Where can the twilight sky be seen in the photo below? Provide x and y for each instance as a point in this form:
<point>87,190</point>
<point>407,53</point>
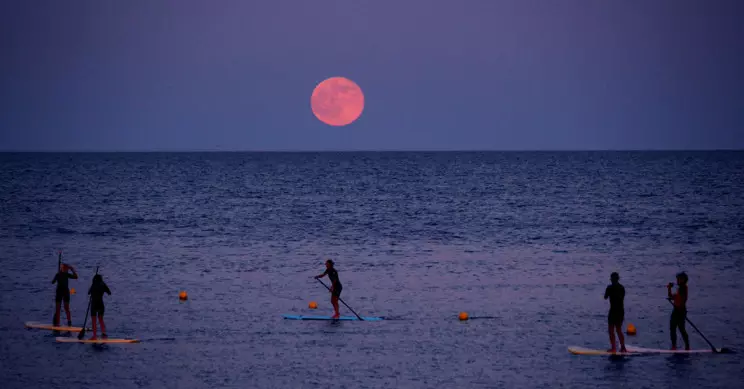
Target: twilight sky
<point>436,74</point>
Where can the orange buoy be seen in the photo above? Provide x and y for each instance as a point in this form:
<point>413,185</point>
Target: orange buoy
<point>183,295</point>
<point>631,329</point>
<point>463,316</point>
<point>72,290</point>
<point>313,305</point>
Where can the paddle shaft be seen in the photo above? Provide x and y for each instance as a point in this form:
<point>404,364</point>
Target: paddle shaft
<point>712,347</point>
<point>347,305</point>
<point>85,321</point>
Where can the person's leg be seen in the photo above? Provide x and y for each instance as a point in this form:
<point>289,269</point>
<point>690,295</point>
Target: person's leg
<point>93,319</point>
<point>334,301</point>
<point>57,306</point>
<point>619,328</point>
<point>683,331</point>
<point>67,310</point>
<point>103,326</point>
<point>611,330</point>
<point>673,330</point>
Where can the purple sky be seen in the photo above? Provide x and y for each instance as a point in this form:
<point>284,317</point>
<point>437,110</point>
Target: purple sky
<point>437,74</point>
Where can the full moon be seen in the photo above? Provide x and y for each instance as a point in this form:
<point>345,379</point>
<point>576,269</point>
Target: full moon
<point>337,101</point>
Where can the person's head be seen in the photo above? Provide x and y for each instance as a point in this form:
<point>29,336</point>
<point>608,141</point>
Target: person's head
<point>329,264</point>
<point>682,278</point>
<point>614,277</point>
<point>97,279</point>
<point>63,267</point>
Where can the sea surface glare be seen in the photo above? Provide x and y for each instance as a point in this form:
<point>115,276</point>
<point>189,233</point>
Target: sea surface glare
<point>526,238</point>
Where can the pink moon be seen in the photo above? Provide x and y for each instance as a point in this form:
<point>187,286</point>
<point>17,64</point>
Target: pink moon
<point>337,101</point>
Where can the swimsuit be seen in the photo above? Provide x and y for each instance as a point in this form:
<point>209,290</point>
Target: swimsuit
<point>333,276</point>
<point>63,291</point>
<point>616,293</point>
<point>96,299</point>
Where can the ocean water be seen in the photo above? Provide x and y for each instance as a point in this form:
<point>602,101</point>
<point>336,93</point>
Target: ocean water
<point>527,240</point>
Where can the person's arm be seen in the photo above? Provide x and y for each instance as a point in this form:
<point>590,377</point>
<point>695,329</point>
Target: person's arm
<point>607,293</point>
<point>322,275</point>
<point>74,275</point>
<point>54,280</point>
<point>106,289</point>
<point>669,291</point>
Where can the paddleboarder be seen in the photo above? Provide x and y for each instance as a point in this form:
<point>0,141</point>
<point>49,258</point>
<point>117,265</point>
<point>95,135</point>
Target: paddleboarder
<point>96,291</point>
<point>616,293</point>
<point>335,286</point>
<point>63,291</point>
<point>679,313</point>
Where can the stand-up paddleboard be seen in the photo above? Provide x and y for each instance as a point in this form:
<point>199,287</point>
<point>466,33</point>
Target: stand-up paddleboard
<point>42,326</point>
<point>97,341</point>
<point>667,351</point>
<point>352,318</point>
<point>633,350</point>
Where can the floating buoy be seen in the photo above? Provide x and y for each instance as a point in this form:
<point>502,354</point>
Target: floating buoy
<point>313,305</point>
<point>631,330</point>
<point>183,295</point>
<point>72,290</point>
<point>463,316</point>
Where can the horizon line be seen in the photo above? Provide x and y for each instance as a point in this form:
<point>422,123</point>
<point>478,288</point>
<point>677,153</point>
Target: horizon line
<point>144,151</point>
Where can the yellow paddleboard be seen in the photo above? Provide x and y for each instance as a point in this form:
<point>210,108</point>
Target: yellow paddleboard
<point>98,341</point>
<point>42,326</point>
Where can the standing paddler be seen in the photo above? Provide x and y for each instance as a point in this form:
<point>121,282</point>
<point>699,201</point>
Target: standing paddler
<point>335,286</point>
<point>63,291</point>
<point>679,313</point>
<point>616,293</point>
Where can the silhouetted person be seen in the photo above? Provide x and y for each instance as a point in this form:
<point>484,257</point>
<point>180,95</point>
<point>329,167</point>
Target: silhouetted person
<point>96,291</point>
<point>616,293</point>
<point>63,291</point>
<point>335,286</point>
<point>679,314</point>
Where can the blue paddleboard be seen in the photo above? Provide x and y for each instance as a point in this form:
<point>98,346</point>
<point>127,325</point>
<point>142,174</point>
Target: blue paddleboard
<point>301,317</point>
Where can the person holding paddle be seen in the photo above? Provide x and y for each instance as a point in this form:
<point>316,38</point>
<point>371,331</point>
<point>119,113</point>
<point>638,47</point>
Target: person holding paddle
<point>96,291</point>
<point>616,293</point>
<point>335,286</point>
<point>63,291</point>
<point>679,312</point>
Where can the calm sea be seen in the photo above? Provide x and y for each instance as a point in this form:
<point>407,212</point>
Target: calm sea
<point>527,239</point>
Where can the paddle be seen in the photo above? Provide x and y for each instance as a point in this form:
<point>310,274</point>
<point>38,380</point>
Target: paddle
<point>347,306</point>
<point>712,347</point>
<point>85,321</point>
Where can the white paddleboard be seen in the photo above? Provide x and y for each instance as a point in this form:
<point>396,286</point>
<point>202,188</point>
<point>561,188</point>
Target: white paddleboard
<point>667,351</point>
<point>633,350</point>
